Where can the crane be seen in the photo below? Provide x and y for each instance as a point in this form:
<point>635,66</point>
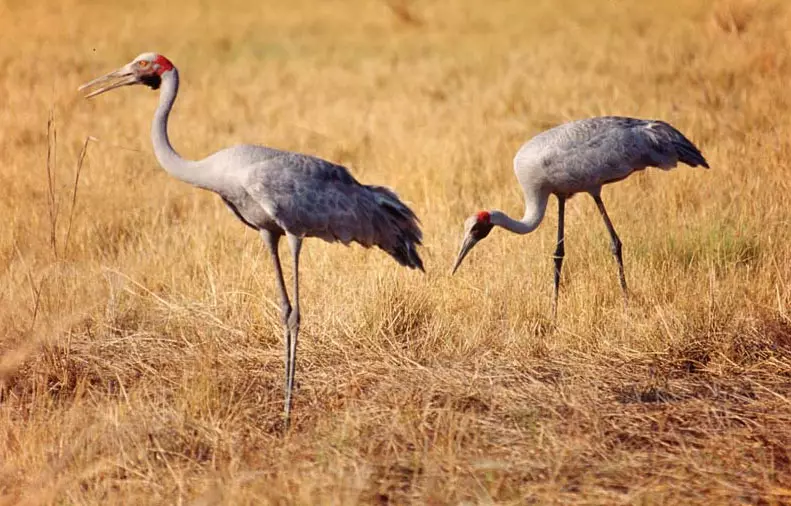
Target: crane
<point>277,193</point>
<point>582,156</point>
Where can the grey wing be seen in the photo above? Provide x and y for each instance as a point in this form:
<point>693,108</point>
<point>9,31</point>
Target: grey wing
<point>311,197</point>
<point>600,150</point>
<point>308,196</point>
<point>669,146</point>
<point>612,148</point>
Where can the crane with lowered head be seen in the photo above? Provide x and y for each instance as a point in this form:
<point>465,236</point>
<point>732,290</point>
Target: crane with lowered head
<point>576,157</point>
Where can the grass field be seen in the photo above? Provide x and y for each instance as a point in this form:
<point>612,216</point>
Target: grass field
<point>140,343</point>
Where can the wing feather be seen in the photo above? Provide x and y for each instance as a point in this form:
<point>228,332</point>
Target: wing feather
<point>311,197</point>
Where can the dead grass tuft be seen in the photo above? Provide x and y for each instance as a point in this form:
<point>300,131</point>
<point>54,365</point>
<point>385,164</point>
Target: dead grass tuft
<point>734,16</point>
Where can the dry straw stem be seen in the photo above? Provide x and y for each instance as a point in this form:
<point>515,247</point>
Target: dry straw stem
<point>52,164</point>
<point>144,364</point>
<point>77,171</point>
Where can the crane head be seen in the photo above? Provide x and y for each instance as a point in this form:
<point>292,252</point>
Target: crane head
<point>476,227</point>
<point>147,69</point>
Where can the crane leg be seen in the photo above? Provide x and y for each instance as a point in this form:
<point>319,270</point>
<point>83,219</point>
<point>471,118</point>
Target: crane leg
<point>295,242</point>
<point>272,241</point>
<point>616,244</point>
<point>560,252</point>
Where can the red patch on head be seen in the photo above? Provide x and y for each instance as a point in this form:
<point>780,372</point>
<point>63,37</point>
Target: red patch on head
<point>164,64</point>
<point>483,217</point>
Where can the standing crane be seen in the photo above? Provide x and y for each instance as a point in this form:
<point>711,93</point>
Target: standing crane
<point>582,156</point>
<point>278,193</point>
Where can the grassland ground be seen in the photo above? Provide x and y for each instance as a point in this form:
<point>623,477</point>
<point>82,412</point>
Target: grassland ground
<point>140,351</point>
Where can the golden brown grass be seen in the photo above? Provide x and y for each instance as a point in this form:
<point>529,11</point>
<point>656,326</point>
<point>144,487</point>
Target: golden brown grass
<point>142,364</point>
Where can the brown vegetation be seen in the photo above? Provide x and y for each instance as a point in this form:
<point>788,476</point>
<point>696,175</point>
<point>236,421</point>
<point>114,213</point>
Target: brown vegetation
<point>140,359</point>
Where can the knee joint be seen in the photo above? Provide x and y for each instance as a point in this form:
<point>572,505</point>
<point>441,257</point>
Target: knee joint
<point>293,320</point>
<point>560,252</point>
<point>285,312</point>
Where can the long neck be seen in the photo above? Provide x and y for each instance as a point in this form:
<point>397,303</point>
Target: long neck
<point>535,206</point>
<point>186,170</point>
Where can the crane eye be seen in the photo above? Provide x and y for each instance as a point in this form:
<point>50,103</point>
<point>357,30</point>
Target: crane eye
<point>142,64</point>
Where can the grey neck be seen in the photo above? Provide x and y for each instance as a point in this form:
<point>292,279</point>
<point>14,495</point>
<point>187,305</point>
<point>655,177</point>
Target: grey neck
<point>186,170</point>
<point>535,207</point>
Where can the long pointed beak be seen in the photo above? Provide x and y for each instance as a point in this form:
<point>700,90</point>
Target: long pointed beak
<point>115,79</point>
<point>466,246</point>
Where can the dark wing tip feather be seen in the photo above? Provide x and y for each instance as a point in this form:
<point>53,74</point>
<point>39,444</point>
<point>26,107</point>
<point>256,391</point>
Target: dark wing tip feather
<point>417,262</point>
<point>402,235</point>
<point>687,152</point>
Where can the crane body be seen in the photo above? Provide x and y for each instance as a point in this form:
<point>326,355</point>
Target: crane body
<point>581,157</point>
<point>278,193</point>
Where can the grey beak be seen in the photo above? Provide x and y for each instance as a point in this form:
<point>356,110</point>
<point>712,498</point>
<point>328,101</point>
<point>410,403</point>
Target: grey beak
<point>466,246</point>
<point>115,79</point>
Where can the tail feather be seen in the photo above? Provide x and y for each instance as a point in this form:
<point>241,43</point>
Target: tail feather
<point>398,230</point>
<point>687,152</point>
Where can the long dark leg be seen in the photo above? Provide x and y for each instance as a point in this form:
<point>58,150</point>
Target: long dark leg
<point>560,252</point>
<point>616,244</point>
<point>272,240</point>
<point>295,243</point>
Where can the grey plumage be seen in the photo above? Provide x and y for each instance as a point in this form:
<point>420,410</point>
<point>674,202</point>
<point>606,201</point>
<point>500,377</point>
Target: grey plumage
<point>279,193</point>
<point>311,197</point>
<point>583,156</point>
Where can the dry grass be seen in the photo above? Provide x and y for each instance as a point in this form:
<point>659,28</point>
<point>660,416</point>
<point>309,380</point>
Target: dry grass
<point>142,363</point>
